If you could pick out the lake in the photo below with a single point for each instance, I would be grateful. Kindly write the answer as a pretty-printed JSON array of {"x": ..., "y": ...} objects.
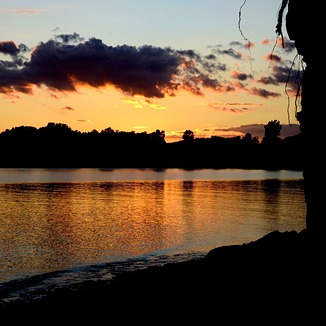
[{"x": 62, "y": 226}]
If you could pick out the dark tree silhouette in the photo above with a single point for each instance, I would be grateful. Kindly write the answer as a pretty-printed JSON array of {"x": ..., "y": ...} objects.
[
  {"x": 249, "y": 139},
  {"x": 273, "y": 129},
  {"x": 305, "y": 26},
  {"x": 272, "y": 133},
  {"x": 57, "y": 145},
  {"x": 188, "y": 135},
  {"x": 158, "y": 136}
]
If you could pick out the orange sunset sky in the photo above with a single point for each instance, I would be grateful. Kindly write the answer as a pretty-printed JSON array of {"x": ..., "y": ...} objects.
[{"x": 214, "y": 67}]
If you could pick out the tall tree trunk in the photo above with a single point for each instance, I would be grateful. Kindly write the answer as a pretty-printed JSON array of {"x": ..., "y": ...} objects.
[
  {"x": 305, "y": 26},
  {"x": 312, "y": 125}
]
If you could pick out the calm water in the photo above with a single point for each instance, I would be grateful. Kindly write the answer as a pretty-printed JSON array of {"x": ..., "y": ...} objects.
[{"x": 64, "y": 226}]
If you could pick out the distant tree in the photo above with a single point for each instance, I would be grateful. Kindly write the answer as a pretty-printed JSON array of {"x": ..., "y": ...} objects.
[
  {"x": 58, "y": 126},
  {"x": 22, "y": 133},
  {"x": 108, "y": 130},
  {"x": 188, "y": 135},
  {"x": 55, "y": 131},
  {"x": 272, "y": 132},
  {"x": 249, "y": 139},
  {"x": 273, "y": 129},
  {"x": 158, "y": 136}
]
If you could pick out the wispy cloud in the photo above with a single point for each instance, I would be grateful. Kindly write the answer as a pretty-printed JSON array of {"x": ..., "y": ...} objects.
[
  {"x": 29, "y": 11},
  {"x": 84, "y": 120},
  {"x": 68, "y": 108},
  {"x": 230, "y": 107},
  {"x": 140, "y": 103}
]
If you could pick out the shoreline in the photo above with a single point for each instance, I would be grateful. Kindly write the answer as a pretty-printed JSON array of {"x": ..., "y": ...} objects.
[{"x": 282, "y": 266}]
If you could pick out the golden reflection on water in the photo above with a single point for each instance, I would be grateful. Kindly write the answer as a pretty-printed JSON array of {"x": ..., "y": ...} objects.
[{"x": 52, "y": 226}]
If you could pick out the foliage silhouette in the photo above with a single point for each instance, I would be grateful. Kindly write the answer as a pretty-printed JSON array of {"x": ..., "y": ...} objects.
[{"x": 58, "y": 146}]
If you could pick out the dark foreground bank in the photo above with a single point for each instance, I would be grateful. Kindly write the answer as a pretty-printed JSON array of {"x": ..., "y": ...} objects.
[{"x": 278, "y": 275}]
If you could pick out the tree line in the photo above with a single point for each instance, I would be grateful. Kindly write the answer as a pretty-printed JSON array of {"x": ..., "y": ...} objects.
[{"x": 58, "y": 146}]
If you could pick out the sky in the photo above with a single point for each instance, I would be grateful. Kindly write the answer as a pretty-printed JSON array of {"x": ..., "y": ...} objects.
[{"x": 215, "y": 67}]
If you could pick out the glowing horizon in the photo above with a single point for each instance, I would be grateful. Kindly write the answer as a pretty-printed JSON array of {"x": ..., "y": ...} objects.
[{"x": 209, "y": 79}]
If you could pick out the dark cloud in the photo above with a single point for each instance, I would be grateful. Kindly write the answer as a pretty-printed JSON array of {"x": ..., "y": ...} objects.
[
  {"x": 240, "y": 75},
  {"x": 268, "y": 80},
  {"x": 283, "y": 74},
  {"x": 69, "y": 38},
  {"x": 147, "y": 70},
  {"x": 289, "y": 46},
  {"x": 9, "y": 47},
  {"x": 83, "y": 120},
  {"x": 67, "y": 62},
  {"x": 230, "y": 52},
  {"x": 68, "y": 108},
  {"x": 229, "y": 107},
  {"x": 273, "y": 57},
  {"x": 258, "y": 130},
  {"x": 289, "y": 130},
  {"x": 263, "y": 92}
]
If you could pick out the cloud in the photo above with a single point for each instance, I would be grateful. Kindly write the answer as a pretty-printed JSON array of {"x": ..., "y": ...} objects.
[
  {"x": 287, "y": 45},
  {"x": 283, "y": 74},
  {"x": 140, "y": 103},
  {"x": 258, "y": 130},
  {"x": 150, "y": 71},
  {"x": 269, "y": 80},
  {"x": 9, "y": 47},
  {"x": 263, "y": 92},
  {"x": 68, "y": 38},
  {"x": 240, "y": 75},
  {"x": 272, "y": 57},
  {"x": 230, "y": 52},
  {"x": 83, "y": 120},
  {"x": 231, "y": 107},
  {"x": 68, "y": 62},
  {"x": 29, "y": 11},
  {"x": 265, "y": 42},
  {"x": 68, "y": 108},
  {"x": 24, "y": 11}
]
